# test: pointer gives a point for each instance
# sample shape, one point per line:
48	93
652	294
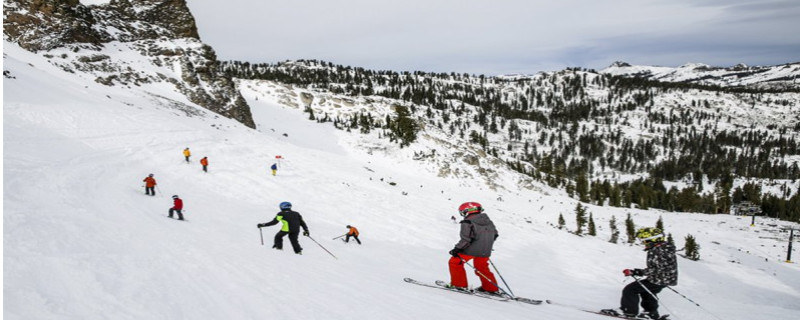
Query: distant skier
204	163
187	154
291	222
274	168
353	232
478	234
150	185
177	206
661	271
454	219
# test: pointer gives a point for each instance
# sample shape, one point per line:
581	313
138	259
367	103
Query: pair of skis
503	297
492	296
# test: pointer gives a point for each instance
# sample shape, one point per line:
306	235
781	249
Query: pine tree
592	229
692	248
561	221
580	218
582	188
660	224
630	228
614	231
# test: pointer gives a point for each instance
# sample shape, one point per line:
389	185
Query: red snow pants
458	277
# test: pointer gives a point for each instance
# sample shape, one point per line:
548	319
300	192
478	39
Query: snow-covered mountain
762	77
81	129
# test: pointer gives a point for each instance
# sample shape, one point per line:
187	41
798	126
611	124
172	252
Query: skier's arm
271	223
303	225
466	235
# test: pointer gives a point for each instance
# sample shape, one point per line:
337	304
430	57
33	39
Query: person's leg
171	210
279	240
359	241
483	272
347	239
295	243
180	214
458	277
629	303
649	302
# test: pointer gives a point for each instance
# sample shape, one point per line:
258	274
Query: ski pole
485	277
323	248
160	194
501	277
262	235
690	300
339	236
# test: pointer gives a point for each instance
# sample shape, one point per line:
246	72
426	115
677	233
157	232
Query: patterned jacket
477	235
662	265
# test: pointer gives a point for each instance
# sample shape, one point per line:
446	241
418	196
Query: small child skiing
177	207
353	232
187	154
150	185
274	168
204	163
478	234
291	222
661	272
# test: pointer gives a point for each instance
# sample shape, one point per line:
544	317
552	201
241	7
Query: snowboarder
177	206
661	271
150	185
353	232
478	234
274	168
187	154
291	223
204	163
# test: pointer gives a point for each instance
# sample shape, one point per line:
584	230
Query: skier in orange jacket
204	163
352	233
150	185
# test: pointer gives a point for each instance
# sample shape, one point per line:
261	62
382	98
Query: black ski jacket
291	220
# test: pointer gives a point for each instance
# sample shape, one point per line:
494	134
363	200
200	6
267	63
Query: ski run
80	244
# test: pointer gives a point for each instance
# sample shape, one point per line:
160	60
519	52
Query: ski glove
305	233
633	272
261	225
455	252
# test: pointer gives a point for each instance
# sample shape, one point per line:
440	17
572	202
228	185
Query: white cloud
501	36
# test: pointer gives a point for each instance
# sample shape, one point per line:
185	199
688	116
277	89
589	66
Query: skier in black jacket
661	272
291	222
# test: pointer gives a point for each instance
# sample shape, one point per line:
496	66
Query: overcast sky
502	36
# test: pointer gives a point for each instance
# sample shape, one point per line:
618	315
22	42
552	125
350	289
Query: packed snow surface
82	241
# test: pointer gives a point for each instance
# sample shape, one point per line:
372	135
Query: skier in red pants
478	234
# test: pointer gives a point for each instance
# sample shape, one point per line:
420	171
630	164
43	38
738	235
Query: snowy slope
82	241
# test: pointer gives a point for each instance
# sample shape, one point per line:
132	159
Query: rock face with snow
161	33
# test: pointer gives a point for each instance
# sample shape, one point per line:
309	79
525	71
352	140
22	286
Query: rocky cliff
163	32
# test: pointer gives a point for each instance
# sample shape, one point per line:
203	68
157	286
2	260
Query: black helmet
175	197
150	175
348	226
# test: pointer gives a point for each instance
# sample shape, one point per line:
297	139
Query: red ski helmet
468	208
